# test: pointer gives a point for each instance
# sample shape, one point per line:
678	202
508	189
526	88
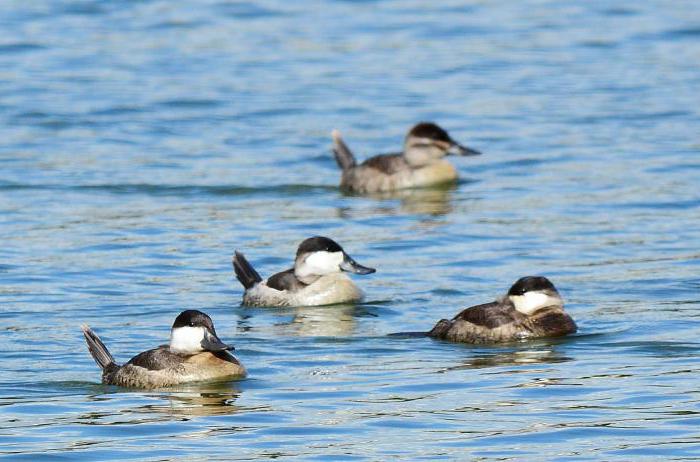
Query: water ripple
144	141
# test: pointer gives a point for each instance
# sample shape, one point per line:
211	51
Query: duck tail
97	349
441	328
245	272
343	155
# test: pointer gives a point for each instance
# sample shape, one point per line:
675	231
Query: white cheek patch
422	151
320	263
186	340
530	302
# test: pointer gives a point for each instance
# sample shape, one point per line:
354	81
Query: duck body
497	322
391	172
531	309
194	353
317	278
420	164
159	368
327	290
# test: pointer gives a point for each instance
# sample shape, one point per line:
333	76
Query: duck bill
351	266
212	343
457	149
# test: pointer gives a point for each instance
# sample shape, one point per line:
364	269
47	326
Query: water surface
143	142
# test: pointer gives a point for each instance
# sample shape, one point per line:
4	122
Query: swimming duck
317	277
532	308
420	164
195	353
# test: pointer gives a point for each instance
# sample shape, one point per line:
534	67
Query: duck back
160	368
326	290
391	172
495	322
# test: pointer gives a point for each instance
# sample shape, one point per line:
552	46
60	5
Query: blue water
142	142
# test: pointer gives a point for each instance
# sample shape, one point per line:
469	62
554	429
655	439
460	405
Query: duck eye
191	324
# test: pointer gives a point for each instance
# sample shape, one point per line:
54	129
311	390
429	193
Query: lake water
142	142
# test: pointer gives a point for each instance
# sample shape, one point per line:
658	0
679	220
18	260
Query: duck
531	309
194	353
317	277
421	164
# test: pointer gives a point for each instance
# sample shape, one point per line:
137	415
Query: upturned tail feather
343	155
97	349
245	272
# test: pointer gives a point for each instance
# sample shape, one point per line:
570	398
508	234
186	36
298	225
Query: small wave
20	47
189	103
177	190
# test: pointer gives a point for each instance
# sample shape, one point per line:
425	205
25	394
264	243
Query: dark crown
318	244
193	318
531	283
431	131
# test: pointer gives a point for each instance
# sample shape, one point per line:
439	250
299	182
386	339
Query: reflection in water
206	399
319	321
545	355
195	399
324	321
427	201
434	201
201	404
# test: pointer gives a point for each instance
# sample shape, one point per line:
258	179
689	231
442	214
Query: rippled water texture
142	142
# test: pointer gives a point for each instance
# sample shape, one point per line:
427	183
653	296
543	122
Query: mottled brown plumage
387	164
195	353
160	368
501	320
420	164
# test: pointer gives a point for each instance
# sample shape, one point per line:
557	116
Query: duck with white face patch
195	353
421	163
532	308
317	278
